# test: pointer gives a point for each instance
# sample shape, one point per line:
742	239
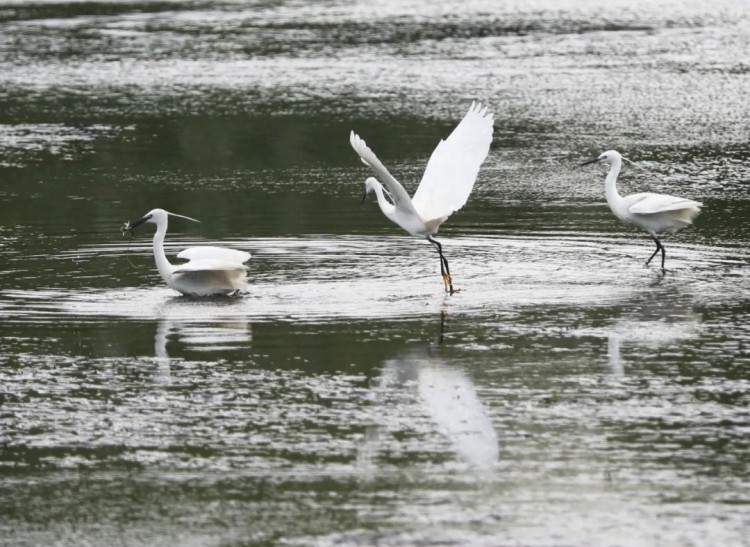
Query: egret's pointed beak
138	222
364	197
588	162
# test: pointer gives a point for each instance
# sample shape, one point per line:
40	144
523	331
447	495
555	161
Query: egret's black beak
139	222
364	197
588	162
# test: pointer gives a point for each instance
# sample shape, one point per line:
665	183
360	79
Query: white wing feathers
218	253
209	265
660	203
454	165
398	194
211	259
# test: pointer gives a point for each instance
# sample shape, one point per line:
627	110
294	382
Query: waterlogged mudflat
568	394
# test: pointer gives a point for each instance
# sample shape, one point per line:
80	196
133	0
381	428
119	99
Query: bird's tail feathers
688	214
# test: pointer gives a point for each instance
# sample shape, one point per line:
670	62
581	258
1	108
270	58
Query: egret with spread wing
445	186
210	271
655	213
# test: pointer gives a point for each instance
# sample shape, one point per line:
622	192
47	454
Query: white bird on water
655	213
446	183
211	271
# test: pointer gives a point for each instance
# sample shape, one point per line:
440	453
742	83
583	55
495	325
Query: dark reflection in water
569	396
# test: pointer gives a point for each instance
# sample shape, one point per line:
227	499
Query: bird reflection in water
419	382
654	324
203	329
614	358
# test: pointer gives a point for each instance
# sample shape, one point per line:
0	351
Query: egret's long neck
610	186
386	206
162	264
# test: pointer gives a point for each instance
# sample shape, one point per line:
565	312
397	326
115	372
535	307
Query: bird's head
154	216
610	157
370	185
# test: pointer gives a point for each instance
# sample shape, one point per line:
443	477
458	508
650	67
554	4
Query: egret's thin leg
442	261
444	269
448	275
659	247
663	257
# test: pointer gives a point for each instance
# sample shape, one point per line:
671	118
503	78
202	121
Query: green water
568	395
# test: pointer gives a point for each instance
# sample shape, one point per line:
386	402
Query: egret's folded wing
209	265
660	203
219	253
454	165
400	196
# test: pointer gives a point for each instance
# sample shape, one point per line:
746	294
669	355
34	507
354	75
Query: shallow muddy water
567	395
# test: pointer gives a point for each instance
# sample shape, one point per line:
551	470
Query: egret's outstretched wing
660	203
454	165
217	253
400	197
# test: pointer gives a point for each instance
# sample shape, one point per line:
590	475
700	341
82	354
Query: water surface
567	395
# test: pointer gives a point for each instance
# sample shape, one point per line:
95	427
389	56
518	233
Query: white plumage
446	184
655	213
210	271
210	252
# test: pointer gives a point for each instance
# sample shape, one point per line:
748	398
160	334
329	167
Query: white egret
655	213
446	183
210	271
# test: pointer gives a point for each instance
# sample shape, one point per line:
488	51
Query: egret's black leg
659	247
442	258
663	258
444	269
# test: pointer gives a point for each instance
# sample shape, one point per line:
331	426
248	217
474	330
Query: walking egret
210	271
445	186
655	213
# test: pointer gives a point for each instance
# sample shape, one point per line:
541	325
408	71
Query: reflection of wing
217	253
452	400
454	165
449	397
400	196
214	325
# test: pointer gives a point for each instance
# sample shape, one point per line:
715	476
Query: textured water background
567	395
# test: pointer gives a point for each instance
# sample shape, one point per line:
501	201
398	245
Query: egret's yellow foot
449	284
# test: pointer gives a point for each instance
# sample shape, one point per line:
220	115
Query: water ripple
313	279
